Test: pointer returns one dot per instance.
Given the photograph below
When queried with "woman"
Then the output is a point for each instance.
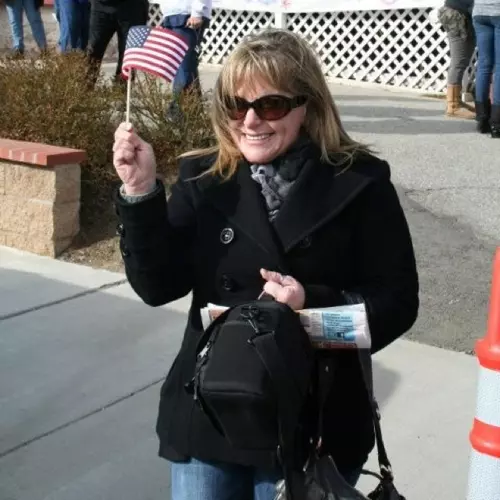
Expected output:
(486, 18)
(455, 17)
(15, 9)
(285, 187)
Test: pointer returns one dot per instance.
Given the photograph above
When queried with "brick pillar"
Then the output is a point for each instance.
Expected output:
(39, 196)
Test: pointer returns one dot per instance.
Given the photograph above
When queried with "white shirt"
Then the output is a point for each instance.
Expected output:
(194, 8)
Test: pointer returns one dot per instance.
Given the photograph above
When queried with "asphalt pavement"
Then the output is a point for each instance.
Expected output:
(82, 358)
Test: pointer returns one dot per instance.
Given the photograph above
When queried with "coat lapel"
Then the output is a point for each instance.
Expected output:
(317, 196)
(241, 202)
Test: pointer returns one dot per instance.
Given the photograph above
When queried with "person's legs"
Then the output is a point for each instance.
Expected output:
(485, 47)
(80, 25)
(102, 28)
(130, 14)
(195, 480)
(495, 110)
(187, 74)
(186, 79)
(35, 19)
(84, 13)
(66, 11)
(15, 15)
(461, 50)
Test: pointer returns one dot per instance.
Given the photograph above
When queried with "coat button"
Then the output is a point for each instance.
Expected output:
(305, 243)
(125, 252)
(120, 230)
(227, 283)
(227, 235)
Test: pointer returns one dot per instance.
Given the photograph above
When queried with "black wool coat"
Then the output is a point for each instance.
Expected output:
(339, 233)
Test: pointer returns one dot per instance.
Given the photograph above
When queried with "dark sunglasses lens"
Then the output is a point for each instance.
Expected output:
(272, 107)
(236, 108)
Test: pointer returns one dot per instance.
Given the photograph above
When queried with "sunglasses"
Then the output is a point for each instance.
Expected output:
(268, 107)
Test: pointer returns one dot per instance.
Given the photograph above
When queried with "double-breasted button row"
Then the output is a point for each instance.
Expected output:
(227, 235)
(305, 243)
(227, 283)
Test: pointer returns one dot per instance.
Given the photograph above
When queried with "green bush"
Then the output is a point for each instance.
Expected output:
(50, 101)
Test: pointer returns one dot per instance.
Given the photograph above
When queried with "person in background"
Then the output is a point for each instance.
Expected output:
(486, 19)
(189, 18)
(15, 10)
(73, 17)
(285, 187)
(108, 17)
(456, 18)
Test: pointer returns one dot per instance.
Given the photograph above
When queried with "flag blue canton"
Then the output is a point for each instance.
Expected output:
(137, 36)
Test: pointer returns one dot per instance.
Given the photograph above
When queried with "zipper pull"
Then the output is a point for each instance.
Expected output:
(205, 350)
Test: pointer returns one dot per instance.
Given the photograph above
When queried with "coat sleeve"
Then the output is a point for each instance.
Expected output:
(156, 242)
(384, 267)
(386, 272)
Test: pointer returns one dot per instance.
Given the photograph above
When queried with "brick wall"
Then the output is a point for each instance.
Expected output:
(39, 196)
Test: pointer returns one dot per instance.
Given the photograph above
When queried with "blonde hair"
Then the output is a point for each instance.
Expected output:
(287, 62)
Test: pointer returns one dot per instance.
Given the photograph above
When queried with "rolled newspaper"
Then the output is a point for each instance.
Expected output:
(328, 327)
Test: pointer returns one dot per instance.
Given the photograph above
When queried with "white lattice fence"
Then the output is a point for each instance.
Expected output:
(399, 48)
(155, 15)
(227, 28)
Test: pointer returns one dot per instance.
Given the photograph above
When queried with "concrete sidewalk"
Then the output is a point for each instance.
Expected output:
(81, 362)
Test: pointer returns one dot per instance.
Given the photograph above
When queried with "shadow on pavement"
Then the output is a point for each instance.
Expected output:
(385, 382)
(400, 120)
(377, 95)
(387, 112)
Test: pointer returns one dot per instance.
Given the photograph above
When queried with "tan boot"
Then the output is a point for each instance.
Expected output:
(456, 108)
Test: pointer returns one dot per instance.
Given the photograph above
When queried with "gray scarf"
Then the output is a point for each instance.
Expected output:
(274, 186)
(277, 178)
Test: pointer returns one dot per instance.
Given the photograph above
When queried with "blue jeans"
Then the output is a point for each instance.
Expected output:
(488, 47)
(15, 10)
(187, 73)
(197, 480)
(74, 18)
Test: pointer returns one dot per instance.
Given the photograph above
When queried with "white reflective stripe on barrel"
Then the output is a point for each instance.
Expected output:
(488, 397)
(484, 477)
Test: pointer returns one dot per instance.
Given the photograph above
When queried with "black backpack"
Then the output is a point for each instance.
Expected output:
(239, 358)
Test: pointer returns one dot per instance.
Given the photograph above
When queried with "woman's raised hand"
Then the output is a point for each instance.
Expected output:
(134, 161)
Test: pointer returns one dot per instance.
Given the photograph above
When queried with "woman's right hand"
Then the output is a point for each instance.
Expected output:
(134, 161)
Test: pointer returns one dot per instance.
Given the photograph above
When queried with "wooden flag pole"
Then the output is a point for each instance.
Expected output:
(129, 93)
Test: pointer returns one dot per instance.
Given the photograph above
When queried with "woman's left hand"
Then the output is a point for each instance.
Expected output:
(284, 289)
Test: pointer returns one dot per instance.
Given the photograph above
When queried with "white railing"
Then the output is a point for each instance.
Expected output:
(397, 48)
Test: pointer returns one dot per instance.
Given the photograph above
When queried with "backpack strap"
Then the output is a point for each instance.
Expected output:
(288, 398)
(365, 361)
(287, 393)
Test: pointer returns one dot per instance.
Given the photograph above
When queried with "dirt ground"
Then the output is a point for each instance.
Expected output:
(103, 253)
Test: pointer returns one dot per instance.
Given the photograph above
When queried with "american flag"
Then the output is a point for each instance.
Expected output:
(154, 50)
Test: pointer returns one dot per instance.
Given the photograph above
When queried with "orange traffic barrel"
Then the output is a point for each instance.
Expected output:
(484, 470)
